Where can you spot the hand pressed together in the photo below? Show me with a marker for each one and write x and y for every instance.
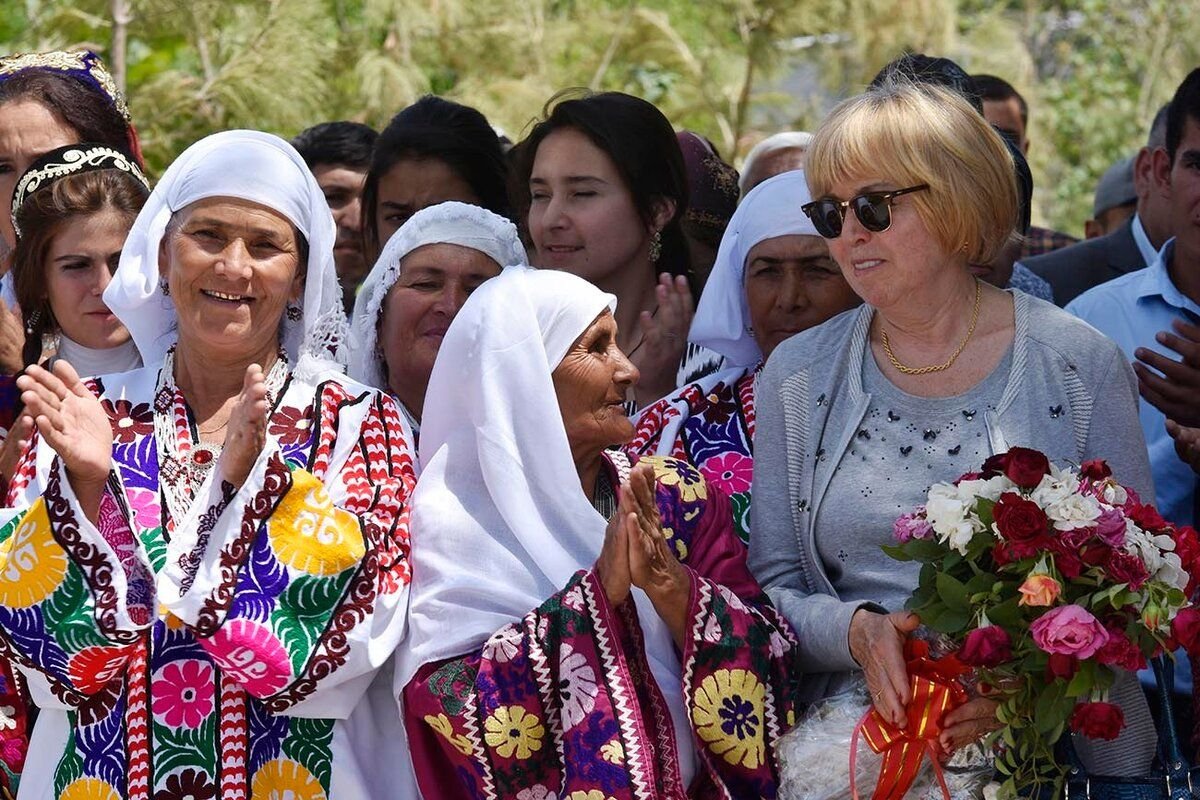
(247, 431)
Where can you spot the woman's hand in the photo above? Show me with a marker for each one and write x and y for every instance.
(652, 566)
(968, 723)
(877, 644)
(73, 423)
(664, 339)
(16, 444)
(612, 567)
(247, 433)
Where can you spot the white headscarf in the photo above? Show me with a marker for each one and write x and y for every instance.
(499, 520)
(247, 165)
(445, 223)
(722, 321)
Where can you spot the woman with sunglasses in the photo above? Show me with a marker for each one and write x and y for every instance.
(932, 374)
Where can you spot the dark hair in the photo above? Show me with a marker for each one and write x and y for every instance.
(643, 147)
(345, 143)
(1183, 106)
(1158, 129)
(87, 112)
(1024, 186)
(989, 87)
(434, 128)
(920, 68)
(42, 217)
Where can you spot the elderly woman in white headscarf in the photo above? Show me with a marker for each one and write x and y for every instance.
(422, 278)
(578, 628)
(773, 277)
(206, 560)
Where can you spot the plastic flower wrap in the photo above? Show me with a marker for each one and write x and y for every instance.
(1048, 580)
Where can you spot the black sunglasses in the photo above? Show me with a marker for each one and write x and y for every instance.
(873, 209)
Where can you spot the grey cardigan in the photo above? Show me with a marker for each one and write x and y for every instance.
(1070, 394)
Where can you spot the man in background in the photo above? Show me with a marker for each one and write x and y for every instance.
(1115, 200)
(339, 155)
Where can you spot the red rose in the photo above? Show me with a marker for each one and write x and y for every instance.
(1062, 666)
(1118, 651)
(1096, 555)
(1185, 629)
(1145, 516)
(1026, 467)
(1068, 563)
(1187, 547)
(968, 476)
(1098, 720)
(1095, 470)
(986, 647)
(1007, 552)
(994, 465)
(1126, 568)
(1018, 519)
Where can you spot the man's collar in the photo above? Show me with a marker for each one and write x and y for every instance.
(1155, 281)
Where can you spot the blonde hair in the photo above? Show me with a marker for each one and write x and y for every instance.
(912, 133)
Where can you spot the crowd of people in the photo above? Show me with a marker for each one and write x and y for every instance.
(422, 463)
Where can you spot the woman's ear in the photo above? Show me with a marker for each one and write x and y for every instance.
(662, 209)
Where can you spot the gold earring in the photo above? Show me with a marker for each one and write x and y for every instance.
(655, 247)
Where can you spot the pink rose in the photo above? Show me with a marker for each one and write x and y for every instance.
(1110, 527)
(912, 526)
(1069, 630)
(1039, 590)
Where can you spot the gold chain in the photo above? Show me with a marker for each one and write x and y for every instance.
(887, 347)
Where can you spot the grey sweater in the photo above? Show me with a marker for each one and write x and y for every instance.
(1070, 394)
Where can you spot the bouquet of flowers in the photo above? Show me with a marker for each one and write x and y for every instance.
(1049, 579)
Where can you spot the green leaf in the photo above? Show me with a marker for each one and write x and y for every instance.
(952, 591)
(304, 610)
(1006, 614)
(951, 621)
(309, 742)
(897, 552)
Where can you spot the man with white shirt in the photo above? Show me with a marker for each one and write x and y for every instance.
(1132, 246)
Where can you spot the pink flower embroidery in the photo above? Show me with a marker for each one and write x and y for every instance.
(183, 693)
(144, 505)
(732, 472)
(251, 655)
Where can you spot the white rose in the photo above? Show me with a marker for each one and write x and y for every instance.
(1074, 511)
(944, 509)
(1114, 493)
(1171, 572)
(961, 536)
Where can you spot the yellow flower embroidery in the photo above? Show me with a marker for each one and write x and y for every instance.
(89, 789)
(594, 794)
(510, 729)
(680, 475)
(32, 565)
(728, 713)
(612, 752)
(309, 533)
(282, 779)
(441, 723)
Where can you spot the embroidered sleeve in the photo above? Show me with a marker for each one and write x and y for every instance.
(72, 601)
(297, 583)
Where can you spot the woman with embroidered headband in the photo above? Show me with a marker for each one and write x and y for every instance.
(426, 272)
(206, 560)
(773, 277)
(933, 373)
(578, 627)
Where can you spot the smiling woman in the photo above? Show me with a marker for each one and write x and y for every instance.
(229, 522)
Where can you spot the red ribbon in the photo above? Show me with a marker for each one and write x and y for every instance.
(935, 692)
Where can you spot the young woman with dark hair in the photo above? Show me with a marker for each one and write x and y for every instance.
(601, 187)
(433, 151)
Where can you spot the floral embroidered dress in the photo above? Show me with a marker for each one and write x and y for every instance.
(561, 704)
(210, 656)
(709, 424)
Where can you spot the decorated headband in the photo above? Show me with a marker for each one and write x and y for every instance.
(83, 64)
(70, 160)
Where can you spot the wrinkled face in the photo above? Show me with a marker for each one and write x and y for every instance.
(892, 266)
(412, 184)
(591, 382)
(79, 264)
(231, 267)
(434, 282)
(792, 284)
(776, 162)
(342, 187)
(27, 131)
(582, 217)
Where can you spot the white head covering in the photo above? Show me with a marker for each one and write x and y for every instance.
(247, 165)
(722, 321)
(784, 140)
(445, 223)
(499, 520)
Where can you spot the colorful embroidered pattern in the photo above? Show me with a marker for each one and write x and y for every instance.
(278, 585)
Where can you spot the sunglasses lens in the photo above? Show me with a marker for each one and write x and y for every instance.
(826, 218)
(873, 211)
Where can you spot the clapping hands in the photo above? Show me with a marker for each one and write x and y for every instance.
(664, 339)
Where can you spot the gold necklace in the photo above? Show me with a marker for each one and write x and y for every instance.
(887, 347)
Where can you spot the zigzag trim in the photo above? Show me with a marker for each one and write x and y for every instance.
(625, 705)
(472, 721)
(545, 680)
(234, 738)
(137, 725)
(704, 597)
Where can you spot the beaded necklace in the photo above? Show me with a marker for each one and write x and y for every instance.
(184, 462)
